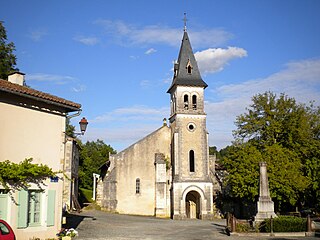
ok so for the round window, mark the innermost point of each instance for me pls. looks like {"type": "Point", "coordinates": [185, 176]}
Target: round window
{"type": "Point", "coordinates": [191, 127]}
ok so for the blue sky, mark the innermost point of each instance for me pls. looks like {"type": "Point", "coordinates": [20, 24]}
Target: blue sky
{"type": "Point", "coordinates": [116, 57]}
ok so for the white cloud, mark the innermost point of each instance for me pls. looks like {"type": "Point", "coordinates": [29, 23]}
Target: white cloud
{"type": "Point", "coordinates": [79, 88]}
{"type": "Point", "coordinates": [134, 57]}
{"type": "Point", "coordinates": [121, 138]}
{"type": "Point", "coordinates": [133, 113]}
{"type": "Point", "coordinates": [154, 83]}
{"type": "Point", "coordinates": [124, 33]}
{"type": "Point", "coordinates": [209, 37]}
{"type": "Point", "coordinates": [37, 35]}
{"type": "Point", "coordinates": [150, 51]}
{"type": "Point", "coordinates": [300, 80]}
{"type": "Point", "coordinates": [86, 40]}
{"type": "Point", "coordinates": [44, 77]}
{"type": "Point", "coordinates": [126, 125]}
{"type": "Point", "coordinates": [145, 83]}
{"type": "Point", "coordinates": [215, 59]}
{"type": "Point", "coordinates": [167, 80]}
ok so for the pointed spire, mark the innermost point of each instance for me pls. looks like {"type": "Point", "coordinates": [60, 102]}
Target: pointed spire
{"type": "Point", "coordinates": [185, 22]}
{"type": "Point", "coordinates": [186, 71]}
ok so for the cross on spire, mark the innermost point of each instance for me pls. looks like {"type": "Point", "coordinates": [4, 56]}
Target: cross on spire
{"type": "Point", "coordinates": [185, 22]}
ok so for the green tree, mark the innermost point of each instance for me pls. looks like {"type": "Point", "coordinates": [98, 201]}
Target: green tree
{"type": "Point", "coordinates": [70, 129]}
{"type": "Point", "coordinates": [271, 120]}
{"type": "Point", "coordinates": [213, 150]}
{"type": "Point", "coordinates": [310, 154]}
{"type": "Point", "coordinates": [284, 134]}
{"type": "Point", "coordinates": [7, 58]}
{"type": "Point", "coordinates": [219, 154]}
{"type": "Point", "coordinates": [242, 164]}
{"type": "Point", "coordinates": [92, 156]}
{"type": "Point", "coordinates": [286, 177]}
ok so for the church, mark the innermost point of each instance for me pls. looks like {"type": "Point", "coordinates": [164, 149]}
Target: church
{"type": "Point", "coordinates": [168, 173]}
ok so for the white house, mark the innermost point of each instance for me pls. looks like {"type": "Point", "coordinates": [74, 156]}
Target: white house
{"type": "Point", "coordinates": [33, 125]}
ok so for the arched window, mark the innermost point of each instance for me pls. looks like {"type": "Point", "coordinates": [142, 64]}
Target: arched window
{"type": "Point", "coordinates": [189, 69]}
{"type": "Point", "coordinates": [186, 102]}
{"type": "Point", "coordinates": [137, 185]}
{"type": "Point", "coordinates": [194, 102]}
{"type": "Point", "coordinates": [191, 161]}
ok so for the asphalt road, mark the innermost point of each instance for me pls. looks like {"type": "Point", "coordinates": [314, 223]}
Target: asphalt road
{"type": "Point", "coordinates": [100, 225]}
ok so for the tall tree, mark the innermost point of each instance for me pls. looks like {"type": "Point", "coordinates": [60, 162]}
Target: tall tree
{"type": "Point", "coordinates": [271, 120]}
{"type": "Point", "coordinates": [92, 156]}
{"type": "Point", "coordinates": [284, 134]}
{"type": "Point", "coordinates": [7, 58]}
{"type": "Point", "coordinates": [310, 154]}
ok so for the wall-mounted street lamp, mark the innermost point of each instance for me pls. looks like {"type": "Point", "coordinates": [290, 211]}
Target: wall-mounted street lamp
{"type": "Point", "coordinates": [83, 126]}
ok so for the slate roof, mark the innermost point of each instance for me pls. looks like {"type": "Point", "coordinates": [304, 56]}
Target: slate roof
{"type": "Point", "coordinates": [182, 77]}
{"type": "Point", "coordinates": [6, 86]}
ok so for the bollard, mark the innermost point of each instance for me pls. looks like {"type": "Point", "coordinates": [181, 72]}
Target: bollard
{"type": "Point", "coordinates": [228, 226]}
{"type": "Point", "coordinates": [233, 223]}
{"type": "Point", "coordinates": [309, 227]}
{"type": "Point", "coordinates": [271, 226]}
{"type": "Point", "coordinates": [228, 219]}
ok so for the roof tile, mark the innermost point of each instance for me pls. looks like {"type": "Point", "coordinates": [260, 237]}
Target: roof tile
{"type": "Point", "coordinates": [15, 88]}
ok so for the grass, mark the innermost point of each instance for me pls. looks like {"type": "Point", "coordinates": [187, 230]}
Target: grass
{"type": "Point", "coordinates": [85, 196]}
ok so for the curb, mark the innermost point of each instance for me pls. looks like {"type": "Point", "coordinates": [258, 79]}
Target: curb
{"type": "Point", "coordinates": [277, 234]}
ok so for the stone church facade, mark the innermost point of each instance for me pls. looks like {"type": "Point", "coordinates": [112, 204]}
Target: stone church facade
{"type": "Point", "coordinates": [169, 173]}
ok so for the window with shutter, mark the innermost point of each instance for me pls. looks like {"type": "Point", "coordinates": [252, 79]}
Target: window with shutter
{"type": "Point", "coordinates": [51, 207]}
{"type": "Point", "coordinates": [22, 209]}
{"type": "Point", "coordinates": [34, 207]}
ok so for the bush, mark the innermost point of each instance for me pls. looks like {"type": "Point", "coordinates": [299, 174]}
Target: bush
{"type": "Point", "coordinates": [285, 224]}
{"type": "Point", "coordinates": [243, 227]}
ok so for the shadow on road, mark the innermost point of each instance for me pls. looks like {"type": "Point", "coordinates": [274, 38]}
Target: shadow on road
{"type": "Point", "coordinates": [221, 229]}
{"type": "Point", "coordinates": [73, 220]}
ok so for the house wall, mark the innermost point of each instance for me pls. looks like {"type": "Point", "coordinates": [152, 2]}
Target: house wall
{"type": "Point", "coordinates": [35, 134]}
{"type": "Point", "coordinates": [71, 168]}
{"type": "Point", "coordinates": [30, 133]}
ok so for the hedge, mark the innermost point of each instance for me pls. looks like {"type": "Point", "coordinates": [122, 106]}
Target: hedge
{"type": "Point", "coordinates": [285, 224]}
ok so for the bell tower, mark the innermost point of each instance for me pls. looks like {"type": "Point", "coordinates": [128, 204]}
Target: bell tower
{"type": "Point", "coordinates": [192, 190]}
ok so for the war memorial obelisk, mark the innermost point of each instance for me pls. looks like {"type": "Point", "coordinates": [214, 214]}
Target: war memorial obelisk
{"type": "Point", "coordinates": [265, 205]}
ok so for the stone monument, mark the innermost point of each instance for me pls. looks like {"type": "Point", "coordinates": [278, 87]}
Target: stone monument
{"type": "Point", "coordinates": [265, 205]}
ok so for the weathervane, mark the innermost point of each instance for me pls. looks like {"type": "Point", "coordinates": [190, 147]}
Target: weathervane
{"type": "Point", "coordinates": [185, 22]}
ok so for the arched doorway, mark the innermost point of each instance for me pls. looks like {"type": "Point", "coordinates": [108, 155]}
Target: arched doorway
{"type": "Point", "coordinates": [193, 200]}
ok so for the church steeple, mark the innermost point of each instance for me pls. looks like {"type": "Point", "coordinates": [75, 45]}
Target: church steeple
{"type": "Point", "coordinates": [186, 71]}
{"type": "Point", "coordinates": [191, 187]}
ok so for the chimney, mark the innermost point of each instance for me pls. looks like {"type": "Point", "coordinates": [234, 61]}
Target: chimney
{"type": "Point", "coordinates": [16, 78]}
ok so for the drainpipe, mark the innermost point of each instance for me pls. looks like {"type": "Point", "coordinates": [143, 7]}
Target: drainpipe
{"type": "Point", "coordinates": [75, 114]}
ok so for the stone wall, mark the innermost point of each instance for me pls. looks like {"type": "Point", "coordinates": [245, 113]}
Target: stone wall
{"type": "Point", "coordinates": [136, 162]}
